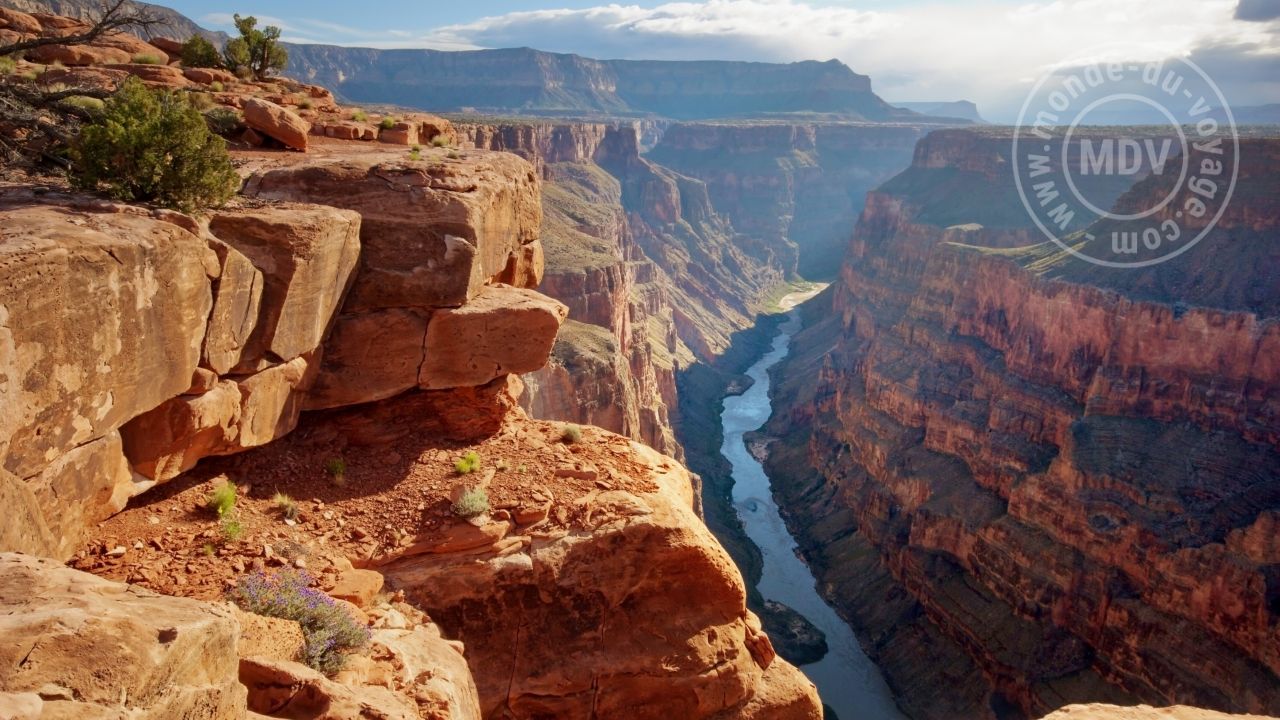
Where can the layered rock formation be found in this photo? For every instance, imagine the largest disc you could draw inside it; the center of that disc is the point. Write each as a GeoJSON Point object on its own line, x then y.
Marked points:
{"type": "Point", "coordinates": [169, 340]}
{"type": "Point", "coordinates": [1056, 484]}
{"type": "Point", "coordinates": [649, 270]}
{"type": "Point", "coordinates": [792, 191]}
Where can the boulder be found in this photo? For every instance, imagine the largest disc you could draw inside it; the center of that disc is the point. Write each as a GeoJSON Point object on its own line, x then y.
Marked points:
{"type": "Point", "coordinates": [274, 121]}
{"type": "Point", "coordinates": [369, 356]}
{"type": "Point", "coordinates": [280, 688]}
{"type": "Point", "coordinates": [430, 669]}
{"type": "Point", "coordinates": [19, 22]}
{"type": "Point", "coordinates": [169, 45]}
{"type": "Point", "coordinates": [525, 266]}
{"type": "Point", "coordinates": [430, 237]}
{"type": "Point", "coordinates": [306, 255]}
{"type": "Point", "coordinates": [89, 647]}
{"type": "Point", "coordinates": [165, 76]}
{"type": "Point", "coordinates": [84, 77]}
{"type": "Point", "coordinates": [233, 416]}
{"type": "Point", "coordinates": [402, 133]}
{"type": "Point", "coordinates": [268, 637]}
{"type": "Point", "coordinates": [24, 529]}
{"type": "Point", "coordinates": [503, 330]}
{"type": "Point", "coordinates": [78, 55]}
{"type": "Point", "coordinates": [209, 76]}
{"type": "Point", "coordinates": [357, 587]}
{"type": "Point", "coordinates": [102, 318]}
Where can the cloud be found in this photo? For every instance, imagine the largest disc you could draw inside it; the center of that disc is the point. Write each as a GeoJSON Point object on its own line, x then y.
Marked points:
{"type": "Point", "coordinates": [990, 51]}
{"type": "Point", "coordinates": [987, 51]}
{"type": "Point", "coordinates": [1258, 10]}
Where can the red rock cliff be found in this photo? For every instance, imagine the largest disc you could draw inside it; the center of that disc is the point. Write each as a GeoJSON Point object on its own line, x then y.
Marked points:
{"type": "Point", "coordinates": [1060, 486]}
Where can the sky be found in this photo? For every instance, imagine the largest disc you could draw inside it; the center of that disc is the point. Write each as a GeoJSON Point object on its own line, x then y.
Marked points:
{"type": "Point", "coordinates": [986, 51]}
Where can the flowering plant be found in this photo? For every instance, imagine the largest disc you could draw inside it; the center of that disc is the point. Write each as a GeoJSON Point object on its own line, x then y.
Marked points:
{"type": "Point", "coordinates": [328, 629]}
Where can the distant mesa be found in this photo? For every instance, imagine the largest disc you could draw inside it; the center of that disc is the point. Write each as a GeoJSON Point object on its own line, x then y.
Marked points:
{"type": "Point", "coordinates": [958, 109]}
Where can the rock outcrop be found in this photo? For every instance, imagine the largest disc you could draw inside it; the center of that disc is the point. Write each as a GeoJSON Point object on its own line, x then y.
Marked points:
{"type": "Point", "coordinates": [76, 645]}
{"type": "Point", "coordinates": [1053, 482]}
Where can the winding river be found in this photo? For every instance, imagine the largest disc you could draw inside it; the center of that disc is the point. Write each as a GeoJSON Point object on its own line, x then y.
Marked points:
{"type": "Point", "coordinates": [847, 680]}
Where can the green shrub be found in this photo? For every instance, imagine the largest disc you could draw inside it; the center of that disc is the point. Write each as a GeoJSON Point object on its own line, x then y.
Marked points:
{"type": "Point", "coordinates": [148, 59]}
{"type": "Point", "coordinates": [222, 501]}
{"type": "Point", "coordinates": [570, 434]}
{"type": "Point", "coordinates": [202, 101]}
{"type": "Point", "coordinates": [306, 104]}
{"type": "Point", "coordinates": [7, 64]}
{"type": "Point", "coordinates": [337, 469]}
{"type": "Point", "coordinates": [468, 463]}
{"type": "Point", "coordinates": [223, 121]}
{"type": "Point", "coordinates": [153, 146]}
{"type": "Point", "coordinates": [359, 116]}
{"type": "Point", "coordinates": [257, 52]}
{"type": "Point", "coordinates": [454, 155]}
{"type": "Point", "coordinates": [329, 631]}
{"type": "Point", "coordinates": [200, 53]}
{"type": "Point", "coordinates": [217, 86]}
{"type": "Point", "coordinates": [231, 529]}
{"type": "Point", "coordinates": [473, 502]}
{"type": "Point", "coordinates": [387, 123]}
{"type": "Point", "coordinates": [440, 141]}
{"type": "Point", "coordinates": [415, 153]}
{"type": "Point", "coordinates": [287, 506]}
{"type": "Point", "coordinates": [91, 105]}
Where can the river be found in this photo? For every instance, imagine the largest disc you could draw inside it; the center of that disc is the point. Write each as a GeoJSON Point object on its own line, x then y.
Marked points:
{"type": "Point", "coordinates": [847, 680]}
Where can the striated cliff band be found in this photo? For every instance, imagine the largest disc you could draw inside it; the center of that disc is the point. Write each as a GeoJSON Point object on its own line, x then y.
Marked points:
{"type": "Point", "coordinates": [1055, 480]}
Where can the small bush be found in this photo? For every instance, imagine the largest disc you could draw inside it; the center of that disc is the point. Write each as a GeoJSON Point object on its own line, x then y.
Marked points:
{"type": "Point", "coordinates": [440, 141]}
{"type": "Point", "coordinates": [454, 155]}
{"type": "Point", "coordinates": [217, 86]}
{"type": "Point", "coordinates": [91, 105]}
{"type": "Point", "coordinates": [202, 101]}
{"type": "Point", "coordinates": [387, 123]}
{"type": "Point", "coordinates": [337, 469]}
{"type": "Point", "coordinates": [415, 154]}
{"type": "Point", "coordinates": [153, 146]}
{"type": "Point", "coordinates": [359, 116]}
{"type": "Point", "coordinates": [148, 59]}
{"type": "Point", "coordinates": [287, 506]}
{"type": "Point", "coordinates": [208, 550]}
{"type": "Point", "coordinates": [570, 434]}
{"type": "Point", "coordinates": [200, 53]}
{"type": "Point", "coordinates": [231, 529]}
{"type": "Point", "coordinates": [329, 631]}
{"type": "Point", "coordinates": [468, 463]}
{"type": "Point", "coordinates": [222, 501]}
{"type": "Point", "coordinates": [223, 121]}
{"type": "Point", "coordinates": [306, 104]}
{"type": "Point", "coordinates": [473, 502]}
{"type": "Point", "coordinates": [7, 65]}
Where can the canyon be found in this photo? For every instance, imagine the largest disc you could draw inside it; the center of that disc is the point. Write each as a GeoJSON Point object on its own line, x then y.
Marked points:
{"type": "Point", "coordinates": [1055, 480]}
{"type": "Point", "coordinates": [1025, 484]}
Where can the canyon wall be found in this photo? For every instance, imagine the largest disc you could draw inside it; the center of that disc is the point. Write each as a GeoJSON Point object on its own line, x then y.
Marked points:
{"type": "Point", "coordinates": [791, 190]}
{"type": "Point", "coordinates": [651, 273]}
{"type": "Point", "coordinates": [1054, 480]}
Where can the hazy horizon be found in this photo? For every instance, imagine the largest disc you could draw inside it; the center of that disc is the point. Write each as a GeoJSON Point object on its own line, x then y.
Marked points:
{"type": "Point", "coordinates": [989, 52]}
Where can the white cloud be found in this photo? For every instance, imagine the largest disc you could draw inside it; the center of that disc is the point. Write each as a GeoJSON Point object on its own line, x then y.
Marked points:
{"type": "Point", "coordinates": [989, 51]}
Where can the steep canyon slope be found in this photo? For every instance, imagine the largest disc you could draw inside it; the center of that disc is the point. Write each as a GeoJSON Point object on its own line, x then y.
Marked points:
{"type": "Point", "coordinates": [1055, 480]}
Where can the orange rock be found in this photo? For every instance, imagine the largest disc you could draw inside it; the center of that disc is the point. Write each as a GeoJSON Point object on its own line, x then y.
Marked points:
{"type": "Point", "coordinates": [96, 648]}
{"type": "Point", "coordinates": [402, 133]}
{"type": "Point", "coordinates": [19, 22]}
{"type": "Point", "coordinates": [208, 76]}
{"type": "Point", "coordinates": [268, 637]}
{"type": "Point", "coordinates": [161, 75]}
{"type": "Point", "coordinates": [358, 587]}
{"type": "Point", "coordinates": [503, 330]}
{"type": "Point", "coordinates": [274, 121]}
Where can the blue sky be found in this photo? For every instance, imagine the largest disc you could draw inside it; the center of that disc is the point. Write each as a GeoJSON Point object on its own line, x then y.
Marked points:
{"type": "Point", "coordinates": [988, 51]}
